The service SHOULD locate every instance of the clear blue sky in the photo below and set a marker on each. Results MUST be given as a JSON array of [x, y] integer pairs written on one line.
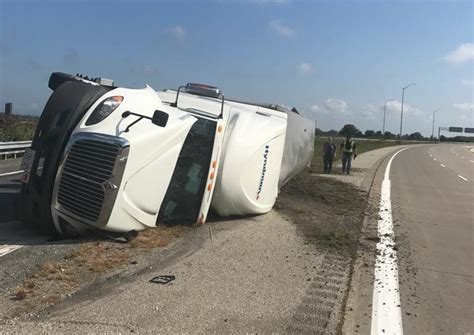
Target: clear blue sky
[[336, 61]]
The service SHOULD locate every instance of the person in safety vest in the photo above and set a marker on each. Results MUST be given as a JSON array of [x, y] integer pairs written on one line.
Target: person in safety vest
[[329, 153], [348, 149]]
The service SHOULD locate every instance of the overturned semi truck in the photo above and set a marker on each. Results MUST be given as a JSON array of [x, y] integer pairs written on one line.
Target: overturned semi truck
[[120, 159]]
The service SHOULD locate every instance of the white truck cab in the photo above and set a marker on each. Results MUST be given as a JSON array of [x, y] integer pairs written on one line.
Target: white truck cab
[[137, 157]]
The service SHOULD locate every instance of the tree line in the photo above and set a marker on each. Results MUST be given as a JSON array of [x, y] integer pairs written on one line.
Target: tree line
[[17, 127], [352, 131]]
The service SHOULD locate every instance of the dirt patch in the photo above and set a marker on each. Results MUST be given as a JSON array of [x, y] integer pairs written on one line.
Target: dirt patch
[[83, 265], [327, 212]]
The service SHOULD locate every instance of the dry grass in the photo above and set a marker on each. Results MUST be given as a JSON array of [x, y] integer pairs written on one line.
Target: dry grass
[[55, 271], [98, 257], [51, 299], [20, 293], [158, 237], [86, 262]]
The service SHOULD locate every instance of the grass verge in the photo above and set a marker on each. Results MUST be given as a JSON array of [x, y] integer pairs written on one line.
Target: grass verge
[[83, 265], [362, 146]]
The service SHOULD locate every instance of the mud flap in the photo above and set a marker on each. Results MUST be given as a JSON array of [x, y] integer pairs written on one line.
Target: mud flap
[[64, 109]]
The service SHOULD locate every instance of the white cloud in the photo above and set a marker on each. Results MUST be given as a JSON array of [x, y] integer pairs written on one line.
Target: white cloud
[[177, 32], [337, 106], [281, 29], [306, 68], [315, 108], [371, 112], [395, 106], [467, 82], [465, 107], [464, 53]]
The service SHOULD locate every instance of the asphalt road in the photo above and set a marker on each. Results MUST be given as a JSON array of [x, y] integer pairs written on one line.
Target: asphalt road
[[432, 201], [22, 249]]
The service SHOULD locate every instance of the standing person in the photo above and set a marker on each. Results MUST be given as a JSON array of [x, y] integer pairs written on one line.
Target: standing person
[[348, 149], [329, 153]]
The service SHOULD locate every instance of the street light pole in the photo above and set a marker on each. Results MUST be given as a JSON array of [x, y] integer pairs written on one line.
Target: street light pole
[[432, 130], [384, 109], [401, 114]]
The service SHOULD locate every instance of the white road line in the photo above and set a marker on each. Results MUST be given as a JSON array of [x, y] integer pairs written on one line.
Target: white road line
[[462, 157], [6, 249], [434, 158], [10, 173], [386, 308], [471, 161], [443, 165], [465, 179]]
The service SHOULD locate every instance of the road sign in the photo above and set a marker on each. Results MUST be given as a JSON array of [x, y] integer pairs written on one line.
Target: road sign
[[455, 129], [469, 130]]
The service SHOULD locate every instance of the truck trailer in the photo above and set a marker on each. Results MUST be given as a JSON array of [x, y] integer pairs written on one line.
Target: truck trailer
[[120, 159]]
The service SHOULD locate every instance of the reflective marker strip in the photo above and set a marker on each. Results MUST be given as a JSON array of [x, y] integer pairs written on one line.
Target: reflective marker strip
[[6, 249], [465, 179], [10, 173], [386, 308]]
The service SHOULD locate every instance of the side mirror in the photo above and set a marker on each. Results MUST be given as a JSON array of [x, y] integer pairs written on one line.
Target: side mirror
[[160, 118]]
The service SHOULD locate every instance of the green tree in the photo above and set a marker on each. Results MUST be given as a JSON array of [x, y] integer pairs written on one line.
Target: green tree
[[389, 136], [349, 130], [415, 136], [369, 133]]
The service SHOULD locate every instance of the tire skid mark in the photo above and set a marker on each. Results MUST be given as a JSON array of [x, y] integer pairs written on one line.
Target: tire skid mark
[[320, 311]]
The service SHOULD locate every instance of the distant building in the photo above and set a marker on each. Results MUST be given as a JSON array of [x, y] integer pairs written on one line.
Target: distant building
[[8, 109]]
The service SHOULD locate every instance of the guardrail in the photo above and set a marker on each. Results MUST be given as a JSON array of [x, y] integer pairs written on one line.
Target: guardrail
[[13, 149]]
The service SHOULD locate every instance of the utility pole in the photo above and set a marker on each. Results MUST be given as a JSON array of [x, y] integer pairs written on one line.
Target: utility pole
[[401, 114]]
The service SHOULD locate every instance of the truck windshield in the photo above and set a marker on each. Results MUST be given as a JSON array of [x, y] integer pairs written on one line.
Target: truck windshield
[[183, 198]]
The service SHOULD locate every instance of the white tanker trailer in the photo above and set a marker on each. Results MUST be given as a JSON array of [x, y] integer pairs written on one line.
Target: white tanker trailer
[[120, 159]]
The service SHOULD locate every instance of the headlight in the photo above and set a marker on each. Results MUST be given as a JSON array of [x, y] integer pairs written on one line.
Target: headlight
[[104, 109]]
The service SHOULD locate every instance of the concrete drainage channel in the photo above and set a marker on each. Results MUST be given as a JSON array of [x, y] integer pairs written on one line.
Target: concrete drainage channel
[[320, 310]]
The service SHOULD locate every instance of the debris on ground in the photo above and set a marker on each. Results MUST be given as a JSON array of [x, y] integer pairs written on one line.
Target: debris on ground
[[163, 279]]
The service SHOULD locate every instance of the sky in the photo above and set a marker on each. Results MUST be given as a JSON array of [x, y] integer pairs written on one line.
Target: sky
[[337, 62]]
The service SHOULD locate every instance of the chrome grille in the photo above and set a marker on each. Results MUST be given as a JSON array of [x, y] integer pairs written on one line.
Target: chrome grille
[[88, 166]]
